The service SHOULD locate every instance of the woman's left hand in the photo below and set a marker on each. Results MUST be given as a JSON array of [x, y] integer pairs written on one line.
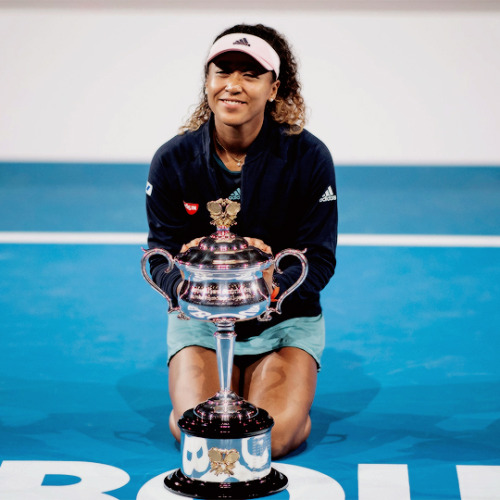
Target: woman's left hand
[[267, 273]]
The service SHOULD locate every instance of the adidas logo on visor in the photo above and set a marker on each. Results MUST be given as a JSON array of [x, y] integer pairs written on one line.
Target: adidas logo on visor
[[329, 195], [242, 41]]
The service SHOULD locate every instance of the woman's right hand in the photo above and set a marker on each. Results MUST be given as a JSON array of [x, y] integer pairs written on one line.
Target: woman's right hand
[[184, 248], [192, 243]]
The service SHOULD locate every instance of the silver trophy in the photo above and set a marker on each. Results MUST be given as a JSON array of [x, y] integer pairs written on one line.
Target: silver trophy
[[226, 441]]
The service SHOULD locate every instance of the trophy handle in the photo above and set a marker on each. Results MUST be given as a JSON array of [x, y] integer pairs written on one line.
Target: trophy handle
[[293, 253], [168, 257]]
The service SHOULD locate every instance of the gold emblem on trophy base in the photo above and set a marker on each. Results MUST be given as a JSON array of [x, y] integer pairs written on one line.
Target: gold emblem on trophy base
[[222, 461]]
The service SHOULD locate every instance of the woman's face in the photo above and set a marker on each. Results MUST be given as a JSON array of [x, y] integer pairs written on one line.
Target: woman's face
[[238, 88]]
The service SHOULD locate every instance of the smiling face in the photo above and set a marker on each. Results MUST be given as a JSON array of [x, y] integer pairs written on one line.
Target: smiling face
[[238, 88]]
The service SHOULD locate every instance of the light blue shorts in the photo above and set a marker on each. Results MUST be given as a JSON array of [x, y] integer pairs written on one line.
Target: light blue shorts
[[306, 333]]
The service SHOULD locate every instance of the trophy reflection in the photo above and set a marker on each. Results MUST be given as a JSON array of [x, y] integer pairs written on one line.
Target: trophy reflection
[[225, 441]]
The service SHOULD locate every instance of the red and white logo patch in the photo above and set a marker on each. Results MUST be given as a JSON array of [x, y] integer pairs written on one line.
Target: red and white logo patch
[[191, 208]]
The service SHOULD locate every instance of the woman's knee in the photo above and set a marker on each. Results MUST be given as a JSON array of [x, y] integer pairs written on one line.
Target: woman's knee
[[174, 428], [288, 433]]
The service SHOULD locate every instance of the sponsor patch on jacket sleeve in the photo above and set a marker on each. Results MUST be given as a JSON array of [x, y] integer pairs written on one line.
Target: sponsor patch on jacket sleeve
[[328, 195], [191, 208], [149, 189]]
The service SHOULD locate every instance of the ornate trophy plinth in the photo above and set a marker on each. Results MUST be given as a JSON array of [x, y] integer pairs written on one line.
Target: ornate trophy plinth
[[226, 441]]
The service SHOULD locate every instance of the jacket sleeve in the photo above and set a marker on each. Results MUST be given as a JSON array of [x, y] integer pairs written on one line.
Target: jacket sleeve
[[316, 226], [165, 222]]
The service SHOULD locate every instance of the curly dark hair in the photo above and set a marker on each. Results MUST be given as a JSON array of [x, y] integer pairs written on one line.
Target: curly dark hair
[[288, 107]]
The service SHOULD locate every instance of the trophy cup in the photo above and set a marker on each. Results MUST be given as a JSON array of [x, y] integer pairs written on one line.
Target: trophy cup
[[225, 441]]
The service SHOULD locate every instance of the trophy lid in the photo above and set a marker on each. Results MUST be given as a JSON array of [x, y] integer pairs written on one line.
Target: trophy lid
[[224, 249]]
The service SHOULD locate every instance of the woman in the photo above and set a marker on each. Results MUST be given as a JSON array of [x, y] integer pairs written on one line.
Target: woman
[[246, 141]]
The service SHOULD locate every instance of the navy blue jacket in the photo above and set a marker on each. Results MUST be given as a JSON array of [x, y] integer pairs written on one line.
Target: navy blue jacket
[[288, 200]]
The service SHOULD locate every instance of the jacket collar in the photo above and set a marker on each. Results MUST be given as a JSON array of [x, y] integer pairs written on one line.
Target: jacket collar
[[258, 146]]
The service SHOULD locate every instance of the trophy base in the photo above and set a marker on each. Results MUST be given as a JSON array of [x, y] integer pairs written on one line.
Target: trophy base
[[226, 452], [179, 483]]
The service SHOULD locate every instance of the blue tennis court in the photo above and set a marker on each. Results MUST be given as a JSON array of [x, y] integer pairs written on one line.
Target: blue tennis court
[[408, 399]]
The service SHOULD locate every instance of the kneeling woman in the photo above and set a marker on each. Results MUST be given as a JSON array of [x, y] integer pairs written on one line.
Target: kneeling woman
[[246, 142]]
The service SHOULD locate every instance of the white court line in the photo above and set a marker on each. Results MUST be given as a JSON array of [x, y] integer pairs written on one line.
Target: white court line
[[358, 240], [72, 238], [418, 240]]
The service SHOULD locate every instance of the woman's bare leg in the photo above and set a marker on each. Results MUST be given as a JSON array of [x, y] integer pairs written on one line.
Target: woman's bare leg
[[284, 383], [192, 378]]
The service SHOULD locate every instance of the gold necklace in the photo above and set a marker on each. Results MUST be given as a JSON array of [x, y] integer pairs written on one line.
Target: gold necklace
[[239, 161]]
